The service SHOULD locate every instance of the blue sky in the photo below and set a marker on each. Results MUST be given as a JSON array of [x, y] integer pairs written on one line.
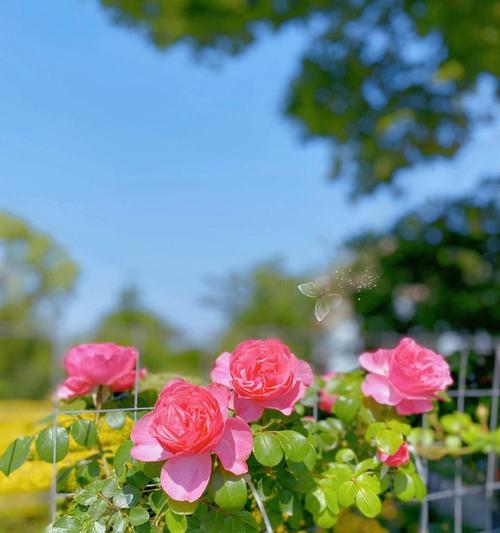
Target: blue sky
[[155, 168]]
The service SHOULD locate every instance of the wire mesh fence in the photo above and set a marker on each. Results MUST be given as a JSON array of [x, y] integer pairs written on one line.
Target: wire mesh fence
[[473, 506]]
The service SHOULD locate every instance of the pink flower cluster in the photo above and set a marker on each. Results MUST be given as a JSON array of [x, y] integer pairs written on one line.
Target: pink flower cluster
[[189, 424], [100, 364], [408, 376]]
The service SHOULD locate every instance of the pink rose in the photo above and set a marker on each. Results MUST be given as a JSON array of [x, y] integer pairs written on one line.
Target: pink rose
[[107, 364], [263, 374], [187, 425], [408, 376], [327, 400], [401, 457]]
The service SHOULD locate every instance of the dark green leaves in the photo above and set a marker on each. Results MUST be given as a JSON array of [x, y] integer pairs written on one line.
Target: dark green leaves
[[47, 439], [84, 432], [15, 455], [267, 449]]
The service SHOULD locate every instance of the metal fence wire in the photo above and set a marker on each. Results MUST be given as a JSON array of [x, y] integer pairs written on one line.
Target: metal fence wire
[[480, 505]]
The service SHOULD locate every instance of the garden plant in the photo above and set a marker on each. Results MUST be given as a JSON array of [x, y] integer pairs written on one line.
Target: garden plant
[[266, 446]]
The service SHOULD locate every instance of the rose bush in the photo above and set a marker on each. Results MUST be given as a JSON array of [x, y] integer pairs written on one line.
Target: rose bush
[[195, 464]]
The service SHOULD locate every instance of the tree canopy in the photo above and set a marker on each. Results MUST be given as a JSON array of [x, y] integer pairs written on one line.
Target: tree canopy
[[439, 268], [384, 82], [36, 276]]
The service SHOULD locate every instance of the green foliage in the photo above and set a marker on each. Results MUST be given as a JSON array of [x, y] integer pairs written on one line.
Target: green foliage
[[304, 471], [380, 107], [15, 455], [438, 268], [36, 277]]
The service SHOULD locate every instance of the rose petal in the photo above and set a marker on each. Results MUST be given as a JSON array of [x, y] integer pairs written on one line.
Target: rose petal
[[186, 478], [220, 373], [235, 446], [247, 409], [379, 388], [413, 407], [376, 362], [222, 395], [304, 373], [73, 387], [146, 447], [285, 402]]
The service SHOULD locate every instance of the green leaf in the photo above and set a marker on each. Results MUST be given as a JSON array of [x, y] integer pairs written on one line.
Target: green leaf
[[346, 407], [176, 523], [399, 427], [367, 464], [153, 470], [126, 497], [286, 499], [310, 458], [138, 516], [315, 501], [228, 491], [388, 441], [368, 503], [267, 449], [326, 519], [157, 501], [368, 482], [97, 509], [66, 524], [118, 522], [347, 493], [84, 432], [295, 445], [87, 496], [115, 419], [47, 439], [345, 455], [15, 455], [186, 508], [373, 429], [404, 486], [420, 488], [248, 519], [122, 457], [265, 488], [110, 488]]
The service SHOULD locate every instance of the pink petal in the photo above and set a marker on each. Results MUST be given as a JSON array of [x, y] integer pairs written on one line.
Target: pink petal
[[222, 395], [220, 372], [414, 407], [376, 362], [235, 446], [186, 478], [285, 402], [73, 387], [304, 373], [247, 409], [146, 447], [379, 388]]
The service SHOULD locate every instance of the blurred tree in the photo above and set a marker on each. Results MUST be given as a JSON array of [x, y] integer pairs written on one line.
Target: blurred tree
[[439, 268], [36, 276], [265, 303], [383, 81], [130, 323]]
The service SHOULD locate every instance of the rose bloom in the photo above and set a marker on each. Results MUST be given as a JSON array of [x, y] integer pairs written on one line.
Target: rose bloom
[[327, 400], [401, 457], [106, 364], [408, 376], [263, 374], [187, 425]]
